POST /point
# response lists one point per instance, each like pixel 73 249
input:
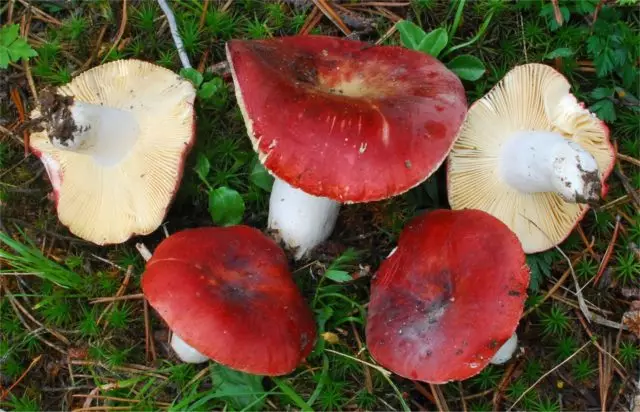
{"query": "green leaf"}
pixel 434 42
pixel 208 89
pixel 540 267
pixel 239 388
pixel 467 67
pixel 339 276
pixel 260 177
pixel 410 34
pixel 202 167
pixel 226 206
pixel 8 34
pixel 561 52
pixel 605 110
pixel 601 93
pixel 12 46
pixel 192 75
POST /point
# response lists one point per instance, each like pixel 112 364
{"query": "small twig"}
pixel 173 27
pixel 30 82
pixel 113 298
pixel 312 19
pixel 547 374
pixel 608 252
pixel 149 345
pixel 12 135
pixel 555 287
pixel 121 29
pixel 462 400
pixel 581 303
pixel 119 293
pixel 597 345
pixel 635 198
pixel 43 15
pixel 14 301
pixel 628 159
pixel 586 242
pixel 504 382
pixel 94 53
pixel 441 402
pixel 328 11
pixel 605 373
pixel 388 34
pixel 10 12
pixel 31 365
pixel 203 16
pixel 368 383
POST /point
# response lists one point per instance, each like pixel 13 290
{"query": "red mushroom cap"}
pixel 447 299
pixel 343 119
pixel 227 292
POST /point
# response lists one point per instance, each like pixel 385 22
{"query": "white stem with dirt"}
pixel 105 133
pixel 302 221
pixel 186 352
pixel 543 161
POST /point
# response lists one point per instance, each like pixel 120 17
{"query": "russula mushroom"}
pixel 531 155
pixel 227 295
pixel 448 297
pixel 341 121
pixel 113 142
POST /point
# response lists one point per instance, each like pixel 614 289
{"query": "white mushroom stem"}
pixel 302 221
pixel 541 161
pixel 105 133
pixel 186 352
pixel 506 351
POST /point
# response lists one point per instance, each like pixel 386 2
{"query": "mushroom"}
pixel 227 295
pixel 448 297
pixel 113 143
pixel 341 121
pixel 531 155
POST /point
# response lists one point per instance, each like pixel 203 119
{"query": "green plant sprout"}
pixel 13 47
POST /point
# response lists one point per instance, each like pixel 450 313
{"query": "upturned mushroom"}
pixel 448 299
pixel 113 142
pixel 227 295
pixel 341 121
pixel 531 155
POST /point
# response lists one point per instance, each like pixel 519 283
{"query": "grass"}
pixel 53 278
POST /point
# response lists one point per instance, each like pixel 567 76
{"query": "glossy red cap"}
pixel 447 299
pixel 343 119
pixel 227 292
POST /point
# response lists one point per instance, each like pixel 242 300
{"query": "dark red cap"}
pixel 228 292
pixel 447 299
pixel 343 119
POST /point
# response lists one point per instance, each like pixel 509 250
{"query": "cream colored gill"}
pixel 529 97
pixel 109 204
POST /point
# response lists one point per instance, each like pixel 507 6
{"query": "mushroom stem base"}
pixel 506 351
pixel 106 133
pixel 186 352
pixel 543 161
pixel 302 221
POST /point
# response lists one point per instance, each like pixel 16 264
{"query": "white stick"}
pixel 173 27
pixel 302 221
